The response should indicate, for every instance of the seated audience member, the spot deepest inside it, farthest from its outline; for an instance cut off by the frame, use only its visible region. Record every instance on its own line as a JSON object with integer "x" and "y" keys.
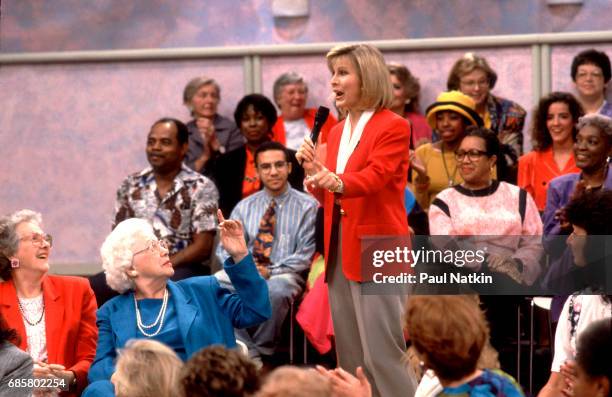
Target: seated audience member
{"x": 472, "y": 75}
{"x": 593, "y": 364}
{"x": 210, "y": 134}
{"x": 553, "y": 135}
{"x": 296, "y": 382}
{"x": 186, "y": 315}
{"x": 234, "y": 172}
{"x": 54, "y": 316}
{"x": 295, "y": 121}
{"x": 15, "y": 364}
{"x": 434, "y": 165}
{"x": 588, "y": 214}
{"x": 216, "y": 371}
{"x": 481, "y": 206}
{"x": 279, "y": 222}
{"x": 591, "y": 74}
{"x": 406, "y": 91}
{"x": 591, "y": 150}
{"x": 179, "y": 202}
{"x": 449, "y": 333}
{"x": 146, "y": 368}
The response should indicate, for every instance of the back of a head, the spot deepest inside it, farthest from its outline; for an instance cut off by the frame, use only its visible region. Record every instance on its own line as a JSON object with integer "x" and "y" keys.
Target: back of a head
{"x": 595, "y": 350}
{"x": 290, "y": 381}
{"x": 219, "y": 372}
{"x": 449, "y": 332}
{"x": 147, "y": 368}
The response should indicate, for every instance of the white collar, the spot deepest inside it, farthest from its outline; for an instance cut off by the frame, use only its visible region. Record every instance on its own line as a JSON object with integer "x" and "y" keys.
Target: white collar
{"x": 348, "y": 141}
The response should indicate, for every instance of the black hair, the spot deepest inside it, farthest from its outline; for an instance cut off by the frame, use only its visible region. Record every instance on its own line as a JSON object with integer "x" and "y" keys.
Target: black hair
{"x": 270, "y": 145}
{"x": 540, "y": 136}
{"x": 7, "y": 334}
{"x": 592, "y": 56}
{"x": 260, "y": 104}
{"x": 492, "y": 146}
{"x": 595, "y": 349}
{"x": 182, "y": 133}
{"x": 591, "y": 211}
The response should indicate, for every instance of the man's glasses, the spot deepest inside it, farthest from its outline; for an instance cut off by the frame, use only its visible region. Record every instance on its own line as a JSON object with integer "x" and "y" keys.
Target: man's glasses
{"x": 472, "y": 155}
{"x": 474, "y": 83}
{"x": 155, "y": 246}
{"x": 38, "y": 239}
{"x": 267, "y": 167}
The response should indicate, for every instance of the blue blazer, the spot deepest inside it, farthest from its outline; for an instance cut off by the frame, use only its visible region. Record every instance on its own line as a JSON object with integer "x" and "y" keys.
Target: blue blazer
{"x": 207, "y": 314}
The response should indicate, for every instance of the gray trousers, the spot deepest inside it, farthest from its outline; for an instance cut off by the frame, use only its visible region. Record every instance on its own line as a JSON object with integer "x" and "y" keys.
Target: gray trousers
{"x": 368, "y": 331}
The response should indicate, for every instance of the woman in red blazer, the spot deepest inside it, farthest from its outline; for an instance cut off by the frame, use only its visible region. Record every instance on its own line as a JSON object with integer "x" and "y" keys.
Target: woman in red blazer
{"x": 361, "y": 187}
{"x": 55, "y": 316}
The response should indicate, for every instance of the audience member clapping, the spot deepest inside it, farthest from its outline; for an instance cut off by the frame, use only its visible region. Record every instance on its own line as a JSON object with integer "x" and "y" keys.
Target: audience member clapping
{"x": 593, "y": 364}
{"x": 472, "y": 75}
{"x": 54, "y": 316}
{"x": 591, "y": 74}
{"x": 219, "y": 372}
{"x": 147, "y": 368}
{"x": 553, "y": 135}
{"x": 210, "y": 134}
{"x": 296, "y": 382}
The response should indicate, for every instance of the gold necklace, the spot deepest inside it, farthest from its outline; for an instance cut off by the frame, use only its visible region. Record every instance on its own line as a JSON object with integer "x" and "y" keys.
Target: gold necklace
{"x": 451, "y": 180}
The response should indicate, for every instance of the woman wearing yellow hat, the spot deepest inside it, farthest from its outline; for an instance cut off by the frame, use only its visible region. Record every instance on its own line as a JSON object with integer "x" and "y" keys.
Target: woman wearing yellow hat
{"x": 433, "y": 164}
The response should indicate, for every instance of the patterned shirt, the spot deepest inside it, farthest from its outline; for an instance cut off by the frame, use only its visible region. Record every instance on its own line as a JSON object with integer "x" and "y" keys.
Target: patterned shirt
{"x": 188, "y": 208}
{"x": 490, "y": 383}
{"x": 507, "y": 121}
{"x": 294, "y": 233}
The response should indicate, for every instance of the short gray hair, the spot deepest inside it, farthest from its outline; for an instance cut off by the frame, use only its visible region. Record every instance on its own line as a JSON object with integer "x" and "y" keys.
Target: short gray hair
{"x": 599, "y": 121}
{"x": 118, "y": 249}
{"x": 9, "y": 240}
{"x": 195, "y": 84}
{"x": 286, "y": 79}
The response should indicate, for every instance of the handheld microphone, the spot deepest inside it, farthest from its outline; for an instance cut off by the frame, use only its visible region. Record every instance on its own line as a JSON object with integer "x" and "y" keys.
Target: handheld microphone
{"x": 320, "y": 119}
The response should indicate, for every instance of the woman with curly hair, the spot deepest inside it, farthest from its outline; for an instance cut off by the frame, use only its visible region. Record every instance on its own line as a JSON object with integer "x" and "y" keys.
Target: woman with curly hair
{"x": 553, "y": 135}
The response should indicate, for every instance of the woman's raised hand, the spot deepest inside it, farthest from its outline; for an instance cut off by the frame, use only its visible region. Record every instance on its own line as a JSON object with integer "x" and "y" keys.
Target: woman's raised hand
{"x": 231, "y": 235}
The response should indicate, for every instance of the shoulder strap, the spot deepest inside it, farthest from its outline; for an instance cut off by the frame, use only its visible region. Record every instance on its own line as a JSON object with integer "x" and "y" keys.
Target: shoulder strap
{"x": 522, "y": 203}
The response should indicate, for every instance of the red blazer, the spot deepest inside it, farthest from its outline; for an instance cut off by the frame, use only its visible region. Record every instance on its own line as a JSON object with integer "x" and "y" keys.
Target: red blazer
{"x": 374, "y": 180}
{"x": 309, "y": 115}
{"x": 70, "y": 320}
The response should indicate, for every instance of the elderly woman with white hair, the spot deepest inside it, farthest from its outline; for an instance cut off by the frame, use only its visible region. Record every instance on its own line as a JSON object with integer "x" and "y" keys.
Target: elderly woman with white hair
{"x": 186, "y": 315}
{"x": 53, "y": 316}
{"x": 210, "y": 134}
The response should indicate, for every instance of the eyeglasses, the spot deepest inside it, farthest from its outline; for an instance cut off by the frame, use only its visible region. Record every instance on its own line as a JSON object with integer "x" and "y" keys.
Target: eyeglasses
{"x": 38, "y": 239}
{"x": 474, "y": 83}
{"x": 155, "y": 246}
{"x": 267, "y": 167}
{"x": 584, "y": 75}
{"x": 472, "y": 155}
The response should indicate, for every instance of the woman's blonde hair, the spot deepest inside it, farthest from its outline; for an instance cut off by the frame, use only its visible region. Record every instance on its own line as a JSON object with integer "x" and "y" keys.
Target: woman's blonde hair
{"x": 376, "y": 92}
{"x": 147, "y": 368}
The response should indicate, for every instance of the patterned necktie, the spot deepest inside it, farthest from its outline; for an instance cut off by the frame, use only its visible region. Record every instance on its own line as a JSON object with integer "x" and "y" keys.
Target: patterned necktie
{"x": 262, "y": 246}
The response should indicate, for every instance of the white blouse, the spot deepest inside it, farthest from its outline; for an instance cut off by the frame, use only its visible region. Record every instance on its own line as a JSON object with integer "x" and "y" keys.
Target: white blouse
{"x": 33, "y": 308}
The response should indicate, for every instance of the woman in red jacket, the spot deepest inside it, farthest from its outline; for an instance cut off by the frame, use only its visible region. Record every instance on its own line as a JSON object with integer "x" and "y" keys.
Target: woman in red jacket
{"x": 361, "y": 187}
{"x": 54, "y": 316}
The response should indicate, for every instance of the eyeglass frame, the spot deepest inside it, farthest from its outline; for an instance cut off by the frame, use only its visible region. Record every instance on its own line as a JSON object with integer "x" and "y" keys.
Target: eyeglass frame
{"x": 153, "y": 246}
{"x": 473, "y": 83}
{"x": 460, "y": 156}
{"x": 37, "y": 239}
{"x": 277, "y": 164}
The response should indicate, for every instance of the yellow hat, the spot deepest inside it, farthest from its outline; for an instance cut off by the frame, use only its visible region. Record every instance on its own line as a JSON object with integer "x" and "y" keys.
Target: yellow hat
{"x": 457, "y": 102}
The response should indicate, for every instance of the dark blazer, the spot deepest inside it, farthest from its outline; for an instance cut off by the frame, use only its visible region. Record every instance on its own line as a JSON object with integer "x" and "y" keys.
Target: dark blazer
{"x": 227, "y": 171}
{"x": 14, "y": 364}
{"x": 70, "y": 321}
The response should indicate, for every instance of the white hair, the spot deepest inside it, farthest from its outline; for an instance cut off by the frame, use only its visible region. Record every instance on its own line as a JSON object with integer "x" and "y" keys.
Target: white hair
{"x": 9, "y": 241}
{"x": 118, "y": 249}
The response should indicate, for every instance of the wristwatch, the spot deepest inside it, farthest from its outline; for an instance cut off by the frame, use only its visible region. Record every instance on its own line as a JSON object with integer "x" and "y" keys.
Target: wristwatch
{"x": 339, "y": 187}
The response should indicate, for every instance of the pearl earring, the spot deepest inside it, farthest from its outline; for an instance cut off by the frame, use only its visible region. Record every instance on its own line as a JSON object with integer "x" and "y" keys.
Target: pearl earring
{"x": 14, "y": 263}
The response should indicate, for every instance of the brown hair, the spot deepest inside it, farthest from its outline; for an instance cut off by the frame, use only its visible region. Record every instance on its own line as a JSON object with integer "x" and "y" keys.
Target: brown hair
{"x": 290, "y": 381}
{"x": 448, "y": 332}
{"x": 467, "y": 64}
{"x": 412, "y": 88}
{"x": 372, "y": 72}
{"x": 540, "y": 136}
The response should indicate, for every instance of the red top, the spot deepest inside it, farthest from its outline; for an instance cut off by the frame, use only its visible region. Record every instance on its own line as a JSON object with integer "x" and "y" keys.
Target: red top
{"x": 309, "y": 116}
{"x": 70, "y": 322}
{"x": 536, "y": 169}
{"x": 250, "y": 184}
{"x": 374, "y": 180}
{"x": 421, "y": 132}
